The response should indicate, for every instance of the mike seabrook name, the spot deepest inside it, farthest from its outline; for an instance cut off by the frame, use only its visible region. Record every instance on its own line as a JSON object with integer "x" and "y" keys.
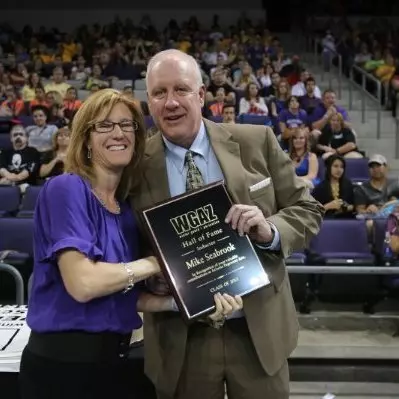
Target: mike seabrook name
{"x": 197, "y": 261}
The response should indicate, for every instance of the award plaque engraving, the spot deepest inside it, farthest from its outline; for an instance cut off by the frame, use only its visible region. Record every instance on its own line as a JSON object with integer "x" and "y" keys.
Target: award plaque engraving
{"x": 199, "y": 253}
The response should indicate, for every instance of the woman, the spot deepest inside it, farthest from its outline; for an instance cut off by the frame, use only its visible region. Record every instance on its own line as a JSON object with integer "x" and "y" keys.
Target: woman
{"x": 52, "y": 162}
{"x": 71, "y": 103}
{"x": 41, "y": 133}
{"x": 291, "y": 119}
{"x": 336, "y": 192}
{"x": 279, "y": 102}
{"x": 84, "y": 299}
{"x": 252, "y": 103}
{"x": 28, "y": 91}
{"x": 305, "y": 162}
{"x": 336, "y": 138}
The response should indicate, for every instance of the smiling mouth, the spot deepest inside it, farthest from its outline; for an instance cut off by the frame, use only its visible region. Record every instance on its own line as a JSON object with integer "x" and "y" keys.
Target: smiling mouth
{"x": 174, "y": 118}
{"x": 119, "y": 147}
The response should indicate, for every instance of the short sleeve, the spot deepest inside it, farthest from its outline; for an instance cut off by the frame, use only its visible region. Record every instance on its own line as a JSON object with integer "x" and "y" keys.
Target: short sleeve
{"x": 65, "y": 219}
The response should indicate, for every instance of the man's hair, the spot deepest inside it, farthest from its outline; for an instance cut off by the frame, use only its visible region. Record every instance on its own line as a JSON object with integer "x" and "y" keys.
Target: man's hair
{"x": 177, "y": 55}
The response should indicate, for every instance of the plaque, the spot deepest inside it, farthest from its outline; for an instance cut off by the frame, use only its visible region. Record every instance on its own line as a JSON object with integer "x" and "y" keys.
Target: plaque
{"x": 201, "y": 255}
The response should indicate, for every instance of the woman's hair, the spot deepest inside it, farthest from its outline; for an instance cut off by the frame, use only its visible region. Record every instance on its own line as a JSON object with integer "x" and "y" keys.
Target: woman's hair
{"x": 290, "y": 98}
{"x": 291, "y": 148}
{"x": 98, "y": 104}
{"x": 340, "y": 119}
{"x": 246, "y": 92}
{"x": 329, "y": 162}
{"x": 55, "y": 137}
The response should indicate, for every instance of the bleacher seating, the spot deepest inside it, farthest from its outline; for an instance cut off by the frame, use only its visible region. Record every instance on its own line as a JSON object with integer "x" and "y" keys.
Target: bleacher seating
{"x": 9, "y": 200}
{"x": 29, "y": 202}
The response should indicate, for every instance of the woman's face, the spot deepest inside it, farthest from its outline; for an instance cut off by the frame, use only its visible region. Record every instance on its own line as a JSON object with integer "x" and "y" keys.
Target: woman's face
{"x": 294, "y": 104}
{"x": 335, "y": 123}
{"x": 39, "y": 93}
{"x": 50, "y": 99}
{"x": 112, "y": 148}
{"x": 96, "y": 70}
{"x": 70, "y": 95}
{"x": 220, "y": 96}
{"x": 299, "y": 140}
{"x": 63, "y": 138}
{"x": 337, "y": 169}
{"x": 246, "y": 70}
{"x": 39, "y": 117}
{"x": 253, "y": 91}
{"x": 35, "y": 79}
{"x": 283, "y": 88}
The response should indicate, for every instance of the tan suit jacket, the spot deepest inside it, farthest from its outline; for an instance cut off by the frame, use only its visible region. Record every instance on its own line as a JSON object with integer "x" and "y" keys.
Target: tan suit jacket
{"x": 247, "y": 154}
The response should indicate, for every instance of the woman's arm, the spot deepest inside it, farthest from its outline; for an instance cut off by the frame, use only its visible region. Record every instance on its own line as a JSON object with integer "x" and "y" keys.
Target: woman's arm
{"x": 313, "y": 167}
{"x": 85, "y": 280}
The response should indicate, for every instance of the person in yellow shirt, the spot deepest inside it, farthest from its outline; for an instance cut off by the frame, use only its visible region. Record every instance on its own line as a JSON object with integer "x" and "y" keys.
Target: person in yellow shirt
{"x": 58, "y": 84}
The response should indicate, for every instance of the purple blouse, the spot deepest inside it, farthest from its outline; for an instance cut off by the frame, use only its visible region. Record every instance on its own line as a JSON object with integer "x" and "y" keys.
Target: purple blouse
{"x": 68, "y": 215}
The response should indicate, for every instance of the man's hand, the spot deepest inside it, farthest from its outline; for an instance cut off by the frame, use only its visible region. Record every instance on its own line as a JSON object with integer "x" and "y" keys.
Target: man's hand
{"x": 249, "y": 219}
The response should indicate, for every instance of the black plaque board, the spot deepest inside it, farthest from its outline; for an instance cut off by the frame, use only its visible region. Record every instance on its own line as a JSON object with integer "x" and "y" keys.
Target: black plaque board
{"x": 199, "y": 253}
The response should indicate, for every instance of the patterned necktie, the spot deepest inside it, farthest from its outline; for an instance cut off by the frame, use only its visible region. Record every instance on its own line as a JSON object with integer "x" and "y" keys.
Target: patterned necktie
{"x": 194, "y": 178}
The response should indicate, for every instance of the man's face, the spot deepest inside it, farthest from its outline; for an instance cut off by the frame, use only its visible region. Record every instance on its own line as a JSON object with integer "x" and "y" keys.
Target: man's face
{"x": 229, "y": 115}
{"x": 19, "y": 138}
{"x": 175, "y": 99}
{"x": 377, "y": 171}
{"x": 58, "y": 76}
{"x": 329, "y": 99}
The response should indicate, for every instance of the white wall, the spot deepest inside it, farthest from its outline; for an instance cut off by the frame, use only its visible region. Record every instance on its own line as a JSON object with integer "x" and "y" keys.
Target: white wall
{"x": 68, "y": 19}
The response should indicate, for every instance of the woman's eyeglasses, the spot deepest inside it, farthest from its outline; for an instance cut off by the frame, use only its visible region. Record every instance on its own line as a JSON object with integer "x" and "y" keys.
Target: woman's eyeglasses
{"x": 108, "y": 126}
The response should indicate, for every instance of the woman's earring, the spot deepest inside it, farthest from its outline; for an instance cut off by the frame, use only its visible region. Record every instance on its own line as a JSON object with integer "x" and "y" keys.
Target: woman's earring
{"x": 88, "y": 153}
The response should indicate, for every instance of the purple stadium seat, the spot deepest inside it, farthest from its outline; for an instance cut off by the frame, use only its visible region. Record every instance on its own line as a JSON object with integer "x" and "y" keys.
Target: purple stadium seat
{"x": 18, "y": 240}
{"x": 5, "y": 143}
{"x": 5, "y": 124}
{"x": 255, "y": 120}
{"x": 26, "y": 120}
{"x": 322, "y": 169}
{"x": 357, "y": 170}
{"x": 28, "y": 202}
{"x": 342, "y": 242}
{"x": 9, "y": 200}
{"x": 379, "y": 228}
{"x": 297, "y": 258}
{"x": 216, "y": 119}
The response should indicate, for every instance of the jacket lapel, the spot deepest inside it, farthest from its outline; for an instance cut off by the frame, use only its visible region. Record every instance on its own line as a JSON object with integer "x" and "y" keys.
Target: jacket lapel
{"x": 228, "y": 154}
{"x": 155, "y": 173}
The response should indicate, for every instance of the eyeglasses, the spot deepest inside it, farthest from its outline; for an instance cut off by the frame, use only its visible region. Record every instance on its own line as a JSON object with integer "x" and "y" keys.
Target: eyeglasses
{"x": 108, "y": 126}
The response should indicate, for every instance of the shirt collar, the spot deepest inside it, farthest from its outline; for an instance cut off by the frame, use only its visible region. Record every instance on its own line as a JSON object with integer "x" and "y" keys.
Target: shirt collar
{"x": 200, "y": 146}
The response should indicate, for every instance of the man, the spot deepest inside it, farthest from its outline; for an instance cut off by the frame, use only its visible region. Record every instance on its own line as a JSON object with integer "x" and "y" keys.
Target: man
{"x": 300, "y": 89}
{"x": 323, "y": 113}
{"x": 373, "y": 195}
{"x": 249, "y": 353}
{"x": 229, "y": 113}
{"x": 19, "y": 165}
{"x": 219, "y": 79}
{"x": 309, "y": 101}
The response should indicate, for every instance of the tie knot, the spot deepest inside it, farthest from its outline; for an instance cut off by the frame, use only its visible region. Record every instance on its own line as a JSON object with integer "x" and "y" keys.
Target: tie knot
{"x": 189, "y": 157}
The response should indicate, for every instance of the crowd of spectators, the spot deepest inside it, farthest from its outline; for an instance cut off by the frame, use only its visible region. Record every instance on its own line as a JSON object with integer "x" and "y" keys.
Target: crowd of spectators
{"x": 248, "y": 77}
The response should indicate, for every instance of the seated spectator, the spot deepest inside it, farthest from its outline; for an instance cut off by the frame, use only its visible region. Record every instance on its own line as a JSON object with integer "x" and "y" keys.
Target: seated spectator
{"x": 39, "y": 99}
{"x": 309, "y": 102}
{"x": 305, "y": 162}
{"x": 71, "y": 103}
{"x": 20, "y": 164}
{"x": 52, "y": 162}
{"x": 299, "y": 89}
{"x": 29, "y": 90}
{"x": 363, "y": 55}
{"x": 264, "y": 75}
{"x": 386, "y": 71}
{"x": 279, "y": 102}
{"x": 252, "y": 103}
{"x": 375, "y": 197}
{"x": 229, "y": 113}
{"x": 335, "y": 192}
{"x": 94, "y": 88}
{"x": 80, "y": 71}
{"x": 244, "y": 77}
{"x": 96, "y": 77}
{"x": 41, "y": 134}
{"x": 12, "y": 106}
{"x": 128, "y": 91}
{"x": 58, "y": 84}
{"x": 216, "y": 108}
{"x": 336, "y": 138}
{"x": 322, "y": 115}
{"x": 219, "y": 79}
{"x": 291, "y": 119}
{"x": 271, "y": 90}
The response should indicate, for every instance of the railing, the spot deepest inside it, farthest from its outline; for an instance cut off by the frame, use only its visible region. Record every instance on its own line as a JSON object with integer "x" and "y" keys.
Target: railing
{"x": 378, "y": 270}
{"x": 19, "y": 282}
{"x": 366, "y": 77}
{"x": 327, "y": 62}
